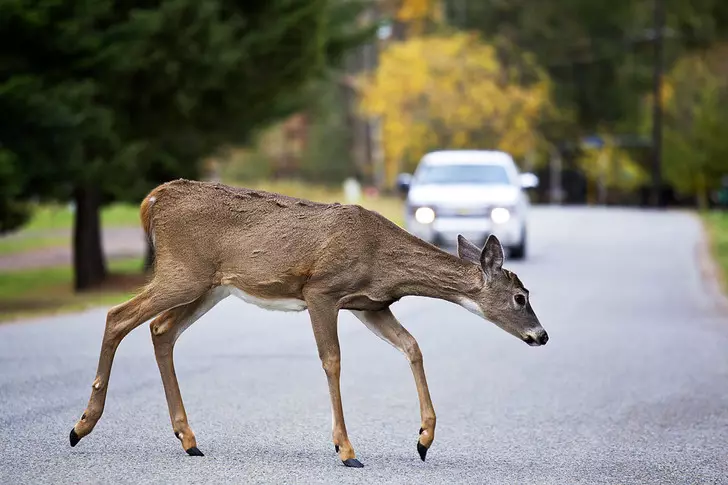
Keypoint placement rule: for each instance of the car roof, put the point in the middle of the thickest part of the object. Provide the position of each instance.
(474, 157)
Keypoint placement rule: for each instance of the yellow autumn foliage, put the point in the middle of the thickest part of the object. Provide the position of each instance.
(610, 166)
(437, 92)
(416, 10)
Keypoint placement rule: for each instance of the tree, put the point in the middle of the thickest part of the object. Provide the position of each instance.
(451, 91)
(608, 166)
(696, 148)
(103, 100)
(598, 53)
(13, 213)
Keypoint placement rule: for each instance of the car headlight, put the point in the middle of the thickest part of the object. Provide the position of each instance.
(500, 215)
(425, 215)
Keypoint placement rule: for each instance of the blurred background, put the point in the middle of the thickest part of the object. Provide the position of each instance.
(620, 102)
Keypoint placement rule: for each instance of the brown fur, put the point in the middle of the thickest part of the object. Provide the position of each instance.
(330, 256)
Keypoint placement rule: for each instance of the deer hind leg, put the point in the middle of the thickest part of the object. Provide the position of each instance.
(324, 321)
(121, 320)
(166, 329)
(385, 325)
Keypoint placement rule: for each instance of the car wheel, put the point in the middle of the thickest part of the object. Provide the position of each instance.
(519, 251)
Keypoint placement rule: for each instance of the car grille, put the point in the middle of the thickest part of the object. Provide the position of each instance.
(462, 211)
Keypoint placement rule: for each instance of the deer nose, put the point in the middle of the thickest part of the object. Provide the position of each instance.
(536, 338)
(543, 338)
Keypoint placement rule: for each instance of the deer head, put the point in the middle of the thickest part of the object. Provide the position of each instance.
(501, 297)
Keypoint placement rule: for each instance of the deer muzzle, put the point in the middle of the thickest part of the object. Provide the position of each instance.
(536, 338)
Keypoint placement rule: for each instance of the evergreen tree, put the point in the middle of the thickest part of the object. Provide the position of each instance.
(102, 100)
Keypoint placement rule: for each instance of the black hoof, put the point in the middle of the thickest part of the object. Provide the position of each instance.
(353, 463)
(74, 437)
(336, 447)
(421, 450)
(194, 451)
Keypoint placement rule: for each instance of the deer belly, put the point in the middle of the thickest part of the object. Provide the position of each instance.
(278, 304)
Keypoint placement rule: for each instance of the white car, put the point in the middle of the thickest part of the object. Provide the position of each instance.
(470, 192)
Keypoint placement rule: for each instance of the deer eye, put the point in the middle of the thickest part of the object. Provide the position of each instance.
(520, 299)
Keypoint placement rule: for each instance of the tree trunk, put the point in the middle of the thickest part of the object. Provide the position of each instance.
(702, 192)
(89, 266)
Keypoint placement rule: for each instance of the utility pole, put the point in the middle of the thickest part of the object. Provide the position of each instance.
(659, 20)
(556, 166)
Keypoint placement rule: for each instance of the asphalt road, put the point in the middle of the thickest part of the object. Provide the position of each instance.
(631, 388)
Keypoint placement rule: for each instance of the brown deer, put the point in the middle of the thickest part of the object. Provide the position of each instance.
(283, 253)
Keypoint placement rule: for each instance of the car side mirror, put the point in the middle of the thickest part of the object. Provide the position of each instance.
(404, 180)
(528, 181)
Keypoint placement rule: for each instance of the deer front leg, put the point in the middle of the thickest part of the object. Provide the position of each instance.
(324, 315)
(385, 325)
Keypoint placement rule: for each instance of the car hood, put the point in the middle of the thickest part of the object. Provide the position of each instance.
(463, 195)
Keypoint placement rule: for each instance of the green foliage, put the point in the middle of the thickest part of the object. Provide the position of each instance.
(696, 148)
(111, 98)
(246, 167)
(123, 95)
(12, 212)
(598, 53)
(344, 35)
(328, 155)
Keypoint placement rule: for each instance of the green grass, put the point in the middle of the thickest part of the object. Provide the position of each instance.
(15, 245)
(50, 290)
(50, 226)
(47, 217)
(717, 226)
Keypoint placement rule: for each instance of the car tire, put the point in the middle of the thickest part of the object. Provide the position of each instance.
(519, 251)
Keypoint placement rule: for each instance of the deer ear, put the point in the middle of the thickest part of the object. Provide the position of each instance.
(492, 256)
(467, 250)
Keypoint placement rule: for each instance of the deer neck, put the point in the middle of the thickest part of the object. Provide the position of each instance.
(431, 272)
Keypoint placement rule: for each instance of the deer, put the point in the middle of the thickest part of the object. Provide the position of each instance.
(282, 253)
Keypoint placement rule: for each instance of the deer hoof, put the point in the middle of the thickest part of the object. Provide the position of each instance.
(194, 451)
(421, 450)
(353, 463)
(73, 437)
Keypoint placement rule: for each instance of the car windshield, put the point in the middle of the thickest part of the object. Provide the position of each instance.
(462, 174)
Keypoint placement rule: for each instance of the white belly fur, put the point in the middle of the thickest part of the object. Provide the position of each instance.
(279, 304)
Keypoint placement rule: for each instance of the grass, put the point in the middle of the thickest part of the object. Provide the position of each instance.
(15, 245)
(50, 226)
(717, 226)
(390, 207)
(48, 217)
(32, 292)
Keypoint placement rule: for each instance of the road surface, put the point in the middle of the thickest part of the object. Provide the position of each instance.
(631, 388)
